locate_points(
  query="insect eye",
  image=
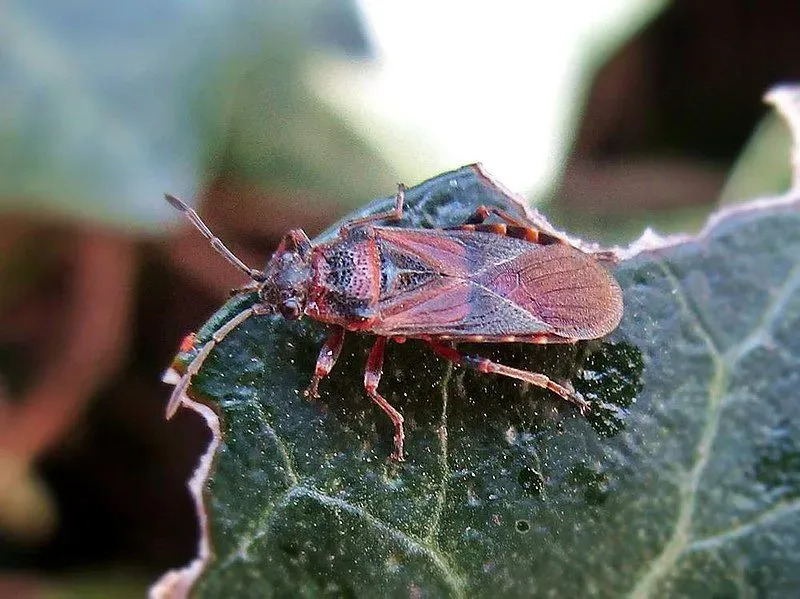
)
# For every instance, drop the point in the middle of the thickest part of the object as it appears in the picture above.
(290, 309)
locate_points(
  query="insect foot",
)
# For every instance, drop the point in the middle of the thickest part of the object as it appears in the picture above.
(312, 391)
(584, 406)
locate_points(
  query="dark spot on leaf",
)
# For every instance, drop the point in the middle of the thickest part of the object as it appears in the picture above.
(290, 550)
(595, 484)
(640, 277)
(778, 468)
(522, 526)
(531, 481)
(610, 378)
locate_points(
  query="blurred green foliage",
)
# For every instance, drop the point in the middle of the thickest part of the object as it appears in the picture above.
(107, 105)
(761, 169)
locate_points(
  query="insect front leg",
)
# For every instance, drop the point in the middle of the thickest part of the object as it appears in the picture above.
(372, 377)
(327, 359)
(247, 288)
(487, 366)
(194, 366)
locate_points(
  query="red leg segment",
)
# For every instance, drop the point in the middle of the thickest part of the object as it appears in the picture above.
(521, 228)
(487, 366)
(327, 358)
(372, 377)
(483, 212)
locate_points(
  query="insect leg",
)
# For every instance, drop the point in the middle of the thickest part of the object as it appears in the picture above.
(216, 243)
(372, 377)
(248, 288)
(327, 358)
(524, 228)
(195, 365)
(606, 256)
(513, 226)
(394, 214)
(482, 213)
(487, 366)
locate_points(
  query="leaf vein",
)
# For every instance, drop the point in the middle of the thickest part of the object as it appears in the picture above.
(773, 310)
(291, 471)
(454, 580)
(681, 541)
(765, 518)
(681, 536)
(441, 496)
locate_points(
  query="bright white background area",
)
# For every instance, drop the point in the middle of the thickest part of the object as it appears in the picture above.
(499, 82)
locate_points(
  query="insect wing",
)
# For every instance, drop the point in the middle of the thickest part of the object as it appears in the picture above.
(565, 288)
(491, 286)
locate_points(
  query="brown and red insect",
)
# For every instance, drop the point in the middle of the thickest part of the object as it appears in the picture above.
(478, 282)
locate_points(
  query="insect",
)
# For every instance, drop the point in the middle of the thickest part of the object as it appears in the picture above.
(493, 282)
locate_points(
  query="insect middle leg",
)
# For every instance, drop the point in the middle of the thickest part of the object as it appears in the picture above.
(194, 366)
(395, 214)
(372, 377)
(487, 366)
(328, 355)
(482, 212)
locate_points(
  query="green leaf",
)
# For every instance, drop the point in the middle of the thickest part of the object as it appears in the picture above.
(683, 480)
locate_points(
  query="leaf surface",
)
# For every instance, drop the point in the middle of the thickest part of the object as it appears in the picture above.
(683, 480)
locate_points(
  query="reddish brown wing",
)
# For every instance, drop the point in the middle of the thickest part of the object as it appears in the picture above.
(465, 283)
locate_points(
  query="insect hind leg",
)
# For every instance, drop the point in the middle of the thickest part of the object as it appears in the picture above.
(524, 228)
(488, 366)
(512, 226)
(194, 366)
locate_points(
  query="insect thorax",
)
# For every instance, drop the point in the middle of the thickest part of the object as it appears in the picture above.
(352, 276)
(401, 272)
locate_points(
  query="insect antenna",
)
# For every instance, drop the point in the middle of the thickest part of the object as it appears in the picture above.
(216, 243)
(194, 366)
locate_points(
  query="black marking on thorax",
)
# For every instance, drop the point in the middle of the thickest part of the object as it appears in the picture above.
(401, 272)
(345, 276)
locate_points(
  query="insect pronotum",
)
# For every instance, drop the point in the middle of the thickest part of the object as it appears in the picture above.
(480, 282)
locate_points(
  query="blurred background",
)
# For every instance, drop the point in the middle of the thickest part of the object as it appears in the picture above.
(609, 116)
